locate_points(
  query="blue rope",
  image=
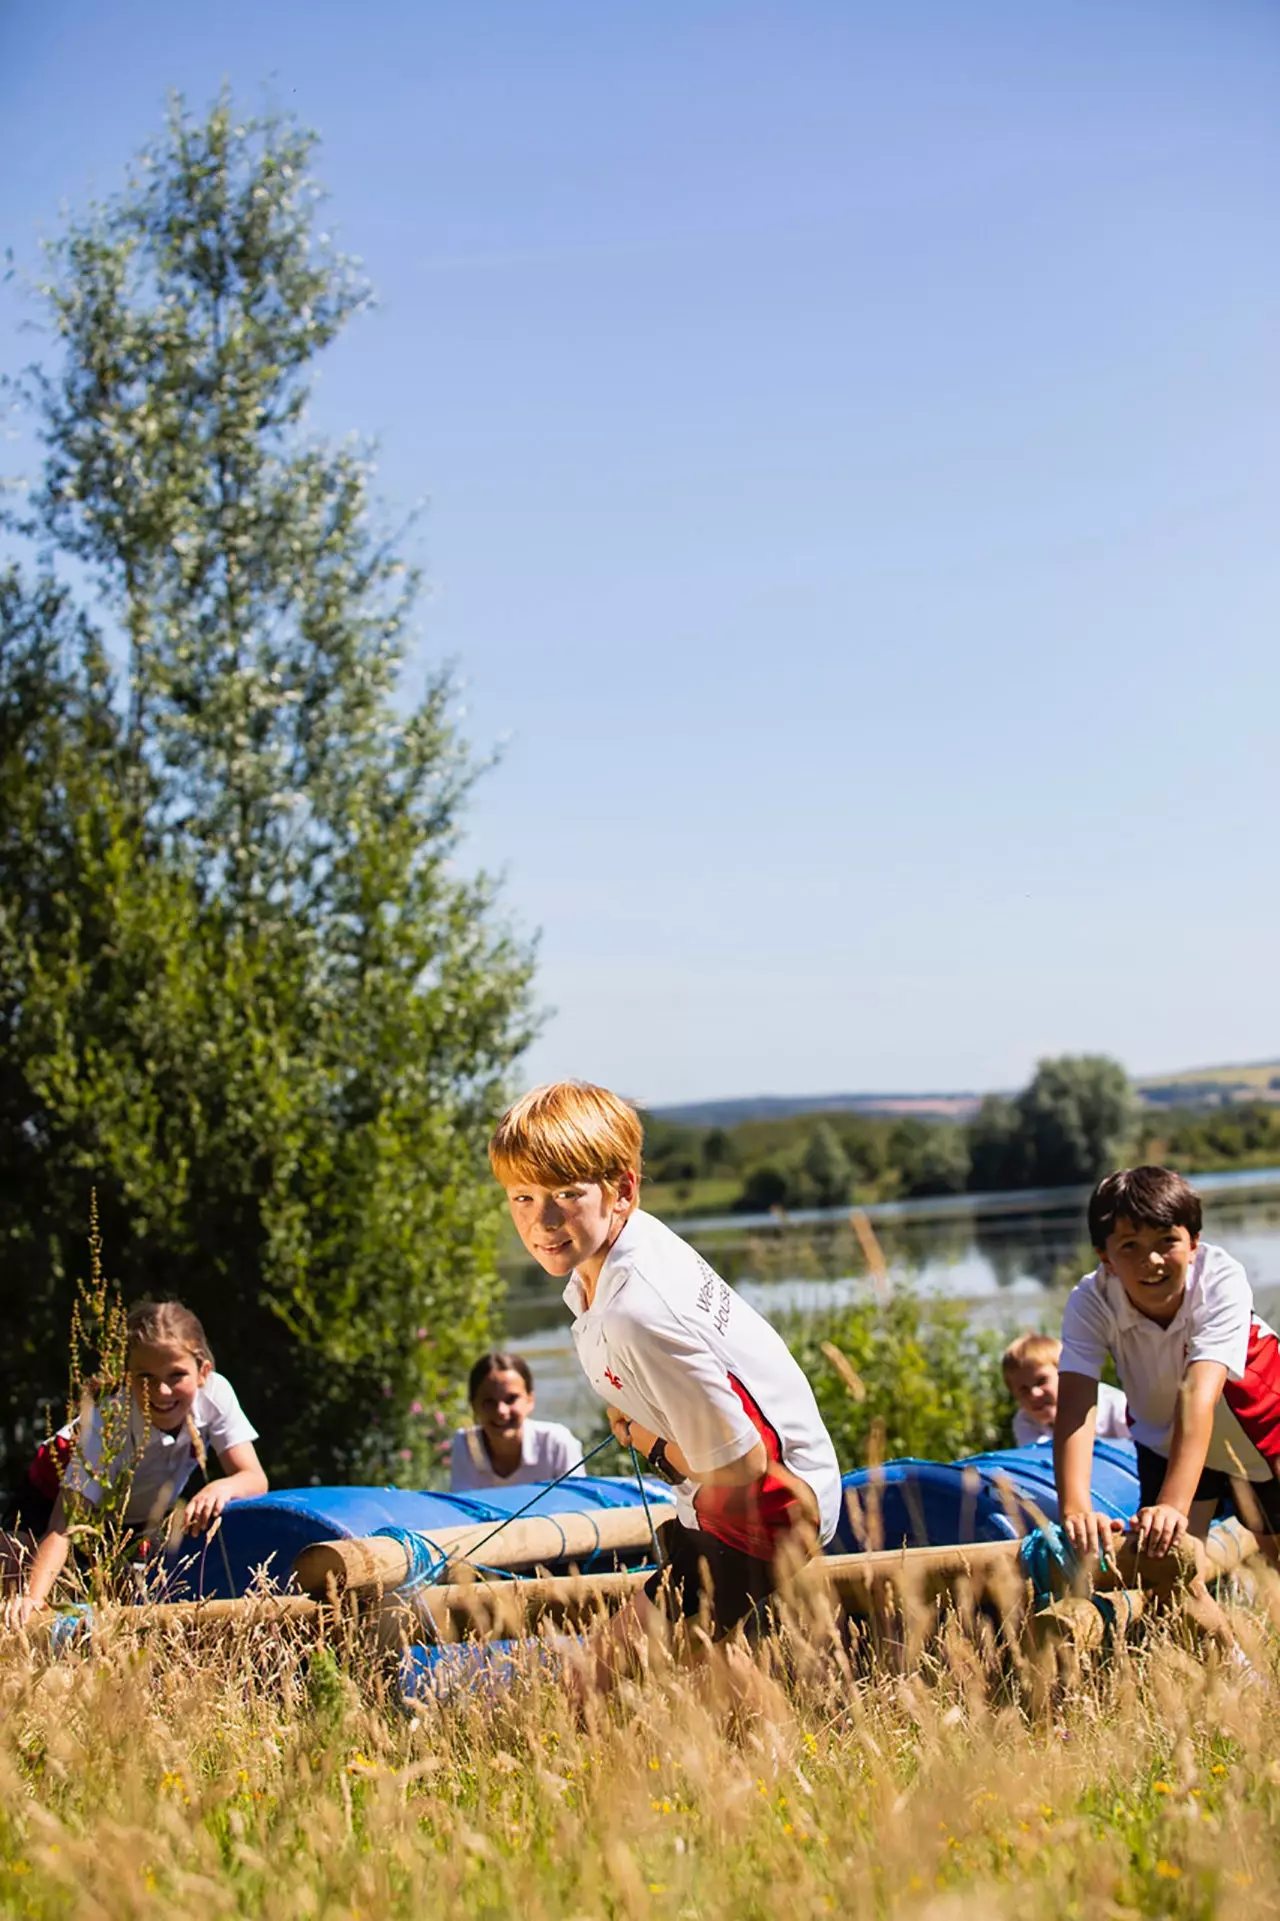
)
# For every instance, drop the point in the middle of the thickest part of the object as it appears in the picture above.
(1040, 1553)
(427, 1563)
(1106, 1607)
(1047, 1549)
(644, 1496)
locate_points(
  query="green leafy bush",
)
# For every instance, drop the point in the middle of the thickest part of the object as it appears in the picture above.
(931, 1382)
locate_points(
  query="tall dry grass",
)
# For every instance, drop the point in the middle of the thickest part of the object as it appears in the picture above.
(245, 1774)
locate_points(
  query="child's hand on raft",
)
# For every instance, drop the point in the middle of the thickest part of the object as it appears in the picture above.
(1158, 1529)
(1091, 1534)
(204, 1508)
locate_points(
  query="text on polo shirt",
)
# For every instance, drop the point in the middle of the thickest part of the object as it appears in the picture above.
(707, 1293)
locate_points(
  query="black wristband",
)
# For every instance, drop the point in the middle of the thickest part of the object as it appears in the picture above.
(661, 1465)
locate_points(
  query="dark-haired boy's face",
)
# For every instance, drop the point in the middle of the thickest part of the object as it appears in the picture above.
(1151, 1265)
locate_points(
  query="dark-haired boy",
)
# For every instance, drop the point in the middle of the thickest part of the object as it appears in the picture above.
(1200, 1371)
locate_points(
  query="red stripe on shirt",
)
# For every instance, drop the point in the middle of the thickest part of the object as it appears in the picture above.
(1255, 1398)
(752, 1519)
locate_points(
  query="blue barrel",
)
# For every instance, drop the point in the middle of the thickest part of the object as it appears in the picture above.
(461, 1669)
(272, 1529)
(986, 1497)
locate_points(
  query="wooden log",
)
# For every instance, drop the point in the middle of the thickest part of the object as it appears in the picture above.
(859, 1583)
(1077, 1621)
(502, 1610)
(380, 1562)
(249, 1611)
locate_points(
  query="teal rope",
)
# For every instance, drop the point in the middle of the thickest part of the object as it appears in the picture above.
(1046, 1549)
(1042, 1552)
(425, 1573)
(644, 1496)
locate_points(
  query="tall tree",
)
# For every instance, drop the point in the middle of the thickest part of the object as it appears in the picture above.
(1078, 1118)
(301, 1015)
(827, 1177)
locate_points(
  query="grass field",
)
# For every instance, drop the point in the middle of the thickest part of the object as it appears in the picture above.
(248, 1778)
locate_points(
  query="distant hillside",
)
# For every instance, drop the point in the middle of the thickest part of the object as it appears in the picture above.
(776, 1107)
(1192, 1087)
(1213, 1086)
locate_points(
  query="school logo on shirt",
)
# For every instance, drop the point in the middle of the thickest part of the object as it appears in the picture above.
(715, 1297)
(612, 1378)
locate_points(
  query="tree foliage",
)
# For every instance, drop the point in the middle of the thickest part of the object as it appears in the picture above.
(244, 987)
(931, 1381)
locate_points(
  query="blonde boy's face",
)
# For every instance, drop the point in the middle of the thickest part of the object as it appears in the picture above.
(1034, 1386)
(570, 1226)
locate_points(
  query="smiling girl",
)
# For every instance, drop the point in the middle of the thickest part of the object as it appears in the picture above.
(506, 1447)
(179, 1409)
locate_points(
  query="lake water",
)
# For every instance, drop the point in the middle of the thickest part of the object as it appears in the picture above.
(1011, 1256)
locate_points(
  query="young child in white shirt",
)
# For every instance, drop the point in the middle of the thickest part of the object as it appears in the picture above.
(1201, 1372)
(171, 1410)
(698, 1382)
(1030, 1368)
(506, 1447)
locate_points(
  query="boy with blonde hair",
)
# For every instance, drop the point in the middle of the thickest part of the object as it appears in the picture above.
(1030, 1368)
(698, 1382)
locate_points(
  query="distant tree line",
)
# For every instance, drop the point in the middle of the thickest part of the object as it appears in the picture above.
(1077, 1118)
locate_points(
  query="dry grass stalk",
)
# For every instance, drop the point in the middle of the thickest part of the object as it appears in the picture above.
(262, 1773)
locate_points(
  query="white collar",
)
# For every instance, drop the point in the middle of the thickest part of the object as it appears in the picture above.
(575, 1292)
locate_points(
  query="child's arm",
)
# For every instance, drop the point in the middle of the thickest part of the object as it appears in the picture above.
(242, 1476)
(744, 1477)
(45, 1566)
(1087, 1531)
(749, 1467)
(1163, 1525)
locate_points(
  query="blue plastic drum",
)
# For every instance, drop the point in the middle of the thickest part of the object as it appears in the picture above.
(986, 1497)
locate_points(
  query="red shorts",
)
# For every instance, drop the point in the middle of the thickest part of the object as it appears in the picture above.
(1255, 1398)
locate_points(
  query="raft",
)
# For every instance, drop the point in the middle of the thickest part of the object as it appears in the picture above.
(265, 1536)
(982, 1497)
(909, 1503)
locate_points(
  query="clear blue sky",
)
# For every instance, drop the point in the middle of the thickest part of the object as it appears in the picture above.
(850, 434)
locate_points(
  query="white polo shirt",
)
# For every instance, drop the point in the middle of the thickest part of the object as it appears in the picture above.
(163, 1467)
(1215, 1322)
(547, 1451)
(1112, 1423)
(662, 1339)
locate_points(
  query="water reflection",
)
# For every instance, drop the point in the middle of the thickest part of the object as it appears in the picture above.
(1010, 1256)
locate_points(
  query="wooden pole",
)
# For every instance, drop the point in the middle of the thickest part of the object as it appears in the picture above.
(1075, 1620)
(502, 1610)
(857, 1582)
(250, 1611)
(861, 1584)
(381, 1563)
